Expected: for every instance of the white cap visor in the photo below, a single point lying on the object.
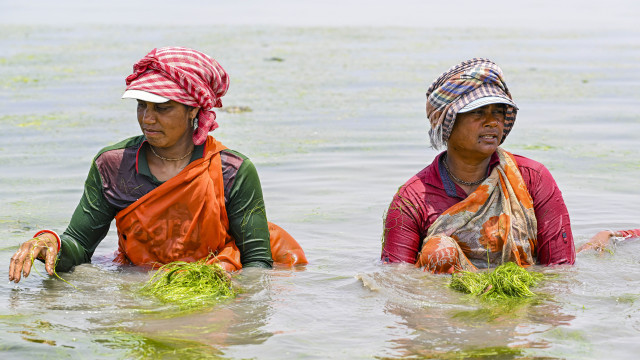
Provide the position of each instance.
(487, 100)
(144, 96)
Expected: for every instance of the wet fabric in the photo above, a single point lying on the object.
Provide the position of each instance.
(174, 223)
(443, 255)
(635, 233)
(186, 76)
(118, 177)
(495, 224)
(165, 225)
(428, 194)
(285, 250)
(460, 85)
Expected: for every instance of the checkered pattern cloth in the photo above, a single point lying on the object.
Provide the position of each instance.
(186, 76)
(460, 85)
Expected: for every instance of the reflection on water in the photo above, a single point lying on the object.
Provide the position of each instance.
(447, 324)
(336, 126)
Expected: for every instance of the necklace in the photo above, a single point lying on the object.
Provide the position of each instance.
(169, 159)
(446, 167)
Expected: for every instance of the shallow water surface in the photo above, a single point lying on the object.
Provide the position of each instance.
(337, 125)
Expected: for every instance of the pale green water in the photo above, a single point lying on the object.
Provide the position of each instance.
(335, 128)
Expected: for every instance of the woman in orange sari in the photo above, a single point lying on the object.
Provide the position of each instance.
(175, 192)
(476, 205)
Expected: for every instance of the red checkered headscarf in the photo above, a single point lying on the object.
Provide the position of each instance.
(186, 76)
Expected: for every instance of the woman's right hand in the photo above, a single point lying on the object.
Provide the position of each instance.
(43, 246)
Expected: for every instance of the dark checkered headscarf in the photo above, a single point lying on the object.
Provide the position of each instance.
(454, 89)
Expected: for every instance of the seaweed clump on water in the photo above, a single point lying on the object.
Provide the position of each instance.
(506, 281)
(190, 285)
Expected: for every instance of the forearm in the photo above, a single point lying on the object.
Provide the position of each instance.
(603, 238)
(251, 232)
(78, 248)
(555, 239)
(401, 238)
(71, 254)
(248, 219)
(88, 226)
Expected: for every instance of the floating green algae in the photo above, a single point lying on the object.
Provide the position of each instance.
(543, 147)
(492, 352)
(190, 285)
(504, 282)
(158, 346)
(236, 109)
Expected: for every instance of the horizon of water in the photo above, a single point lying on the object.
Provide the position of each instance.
(493, 14)
(335, 128)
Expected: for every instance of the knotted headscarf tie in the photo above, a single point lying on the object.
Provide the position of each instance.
(186, 76)
(454, 89)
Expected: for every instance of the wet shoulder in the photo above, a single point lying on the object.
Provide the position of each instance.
(535, 174)
(132, 142)
(232, 159)
(122, 184)
(121, 155)
(232, 163)
(419, 182)
(524, 163)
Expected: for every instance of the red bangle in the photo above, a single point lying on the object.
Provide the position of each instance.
(52, 233)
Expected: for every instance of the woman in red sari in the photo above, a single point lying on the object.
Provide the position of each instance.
(476, 205)
(175, 192)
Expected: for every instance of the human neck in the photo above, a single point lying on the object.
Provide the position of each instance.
(164, 163)
(163, 158)
(174, 153)
(467, 169)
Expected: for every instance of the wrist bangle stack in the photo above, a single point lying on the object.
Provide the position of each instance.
(52, 233)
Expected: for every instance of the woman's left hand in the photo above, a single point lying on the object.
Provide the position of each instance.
(599, 242)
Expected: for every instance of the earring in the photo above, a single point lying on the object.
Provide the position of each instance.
(195, 123)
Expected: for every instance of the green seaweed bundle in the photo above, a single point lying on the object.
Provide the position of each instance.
(506, 281)
(190, 285)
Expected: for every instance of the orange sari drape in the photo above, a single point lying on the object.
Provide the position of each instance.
(495, 224)
(185, 219)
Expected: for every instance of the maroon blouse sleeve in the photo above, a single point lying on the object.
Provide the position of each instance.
(630, 233)
(555, 240)
(402, 235)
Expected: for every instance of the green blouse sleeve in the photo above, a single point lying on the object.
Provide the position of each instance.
(248, 217)
(88, 226)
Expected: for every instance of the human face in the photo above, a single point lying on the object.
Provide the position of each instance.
(477, 133)
(166, 124)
